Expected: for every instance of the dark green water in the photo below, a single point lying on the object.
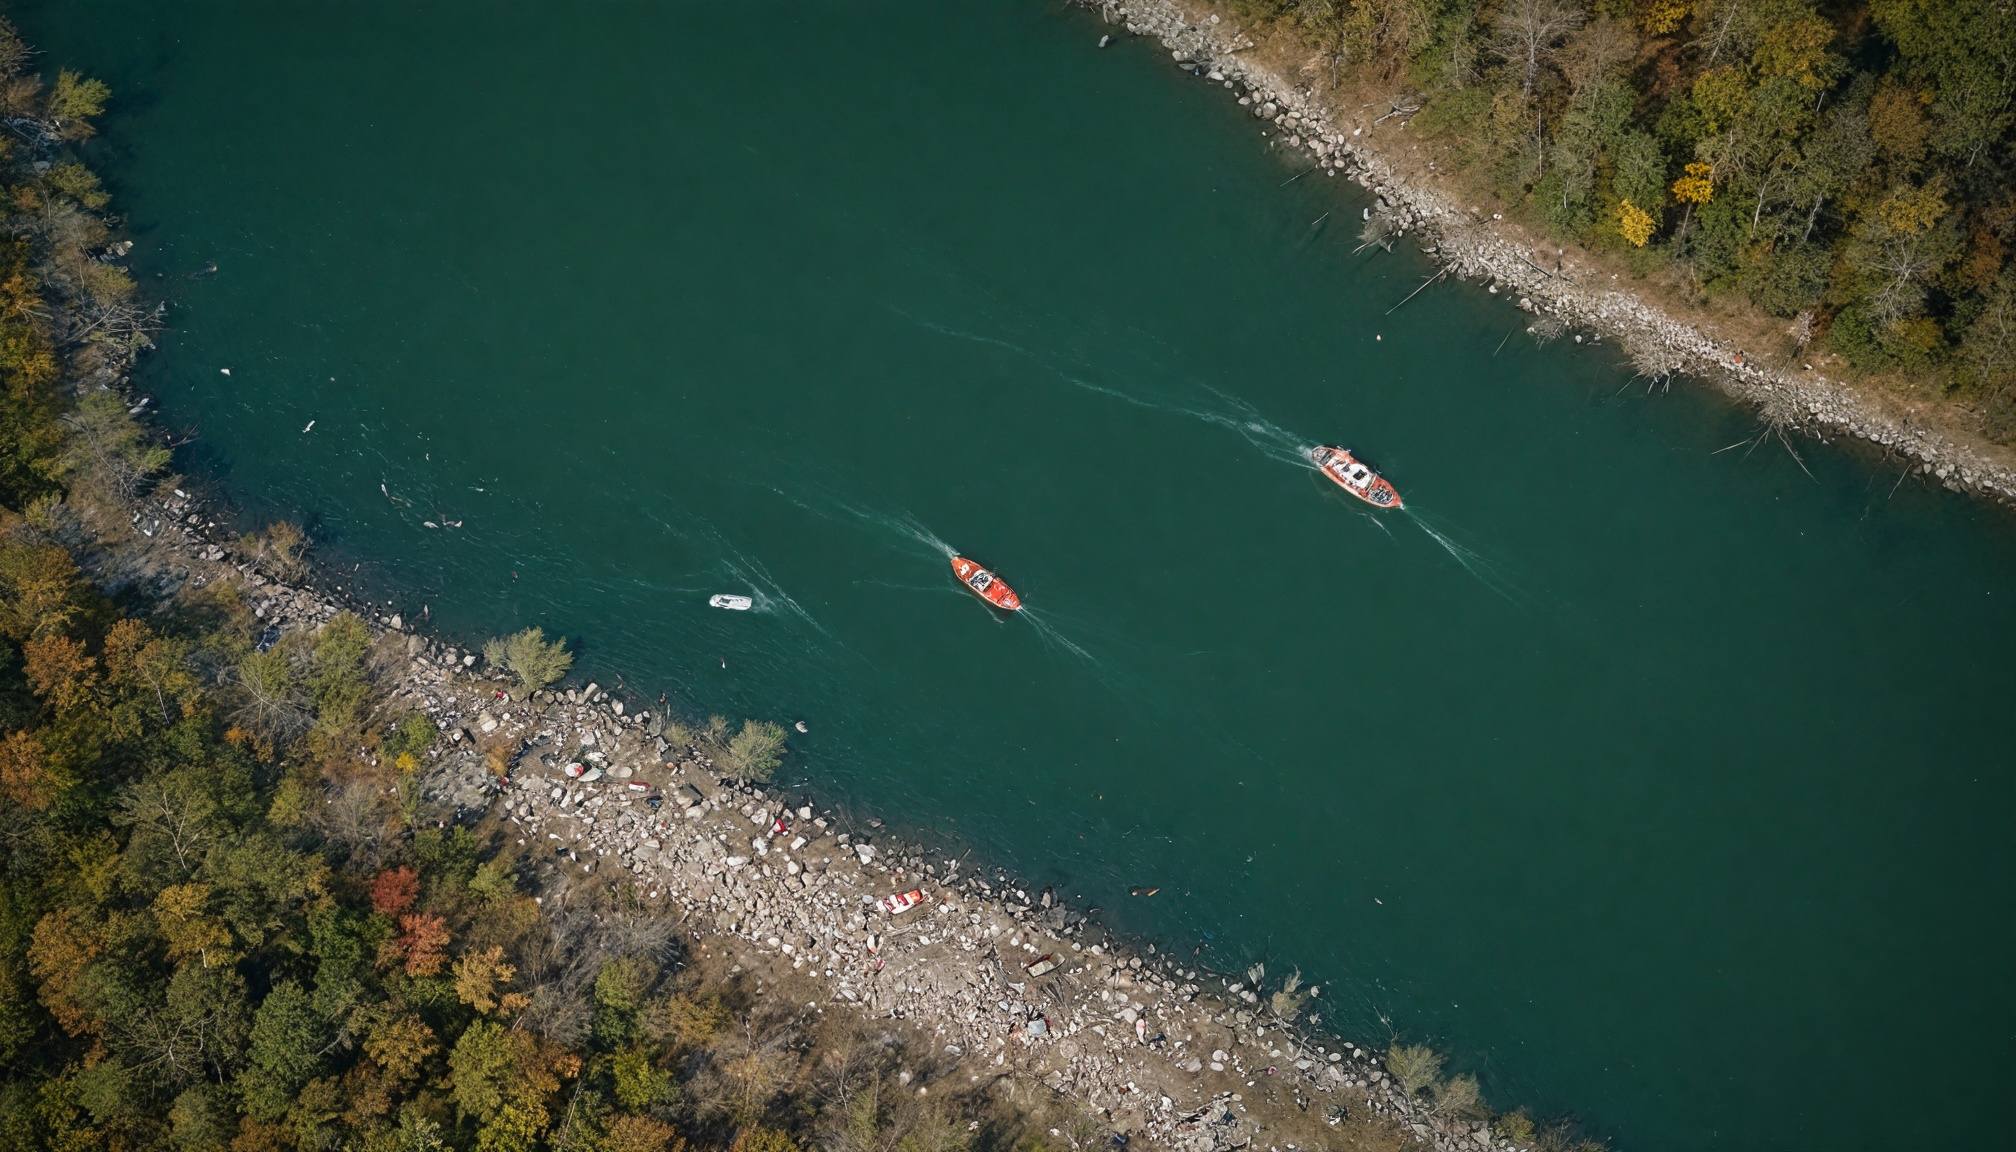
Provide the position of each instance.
(1684, 802)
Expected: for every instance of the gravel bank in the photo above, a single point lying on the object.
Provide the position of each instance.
(1011, 985)
(1467, 244)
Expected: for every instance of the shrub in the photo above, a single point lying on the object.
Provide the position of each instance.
(678, 735)
(1516, 1127)
(1415, 1066)
(280, 549)
(1459, 1098)
(1792, 280)
(760, 1138)
(684, 1020)
(529, 658)
(755, 751)
(1289, 1000)
(713, 735)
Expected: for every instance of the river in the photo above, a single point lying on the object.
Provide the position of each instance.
(1667, 785)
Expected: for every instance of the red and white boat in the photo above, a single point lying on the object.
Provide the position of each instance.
(902, 902)
(1354, 477)
(986, 585)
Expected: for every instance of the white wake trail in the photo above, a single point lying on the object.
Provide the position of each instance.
(1486, 572)
(1241, 417)
(1056, 639)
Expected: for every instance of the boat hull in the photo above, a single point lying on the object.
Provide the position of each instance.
(986, 585)
(1355, 476)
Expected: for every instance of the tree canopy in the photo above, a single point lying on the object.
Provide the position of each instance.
(1845, 166)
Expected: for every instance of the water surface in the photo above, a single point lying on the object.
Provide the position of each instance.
(1664, 785)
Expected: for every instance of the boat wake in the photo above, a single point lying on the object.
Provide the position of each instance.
(1487, 572)
(1054, 638)
(745, 573)
(902, 525)
(906, 527)
(770, 598)
(1273, 441)
(1224, 411)
(1221, 409)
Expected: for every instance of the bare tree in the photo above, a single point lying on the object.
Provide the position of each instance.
(1597, 50)
(557, 968)
(177, 810)
(200, 1028)
(1903, 264)
(108, 446)
(270, 696)
(14, 51)
(1526, 32)
(356, 816)
(848, 1068)
(746, 1068)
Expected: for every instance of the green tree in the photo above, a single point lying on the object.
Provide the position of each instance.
(69, 178)
(338, 681)
(271, 698)
(1459, 1098)
(516, 1127)
(1988, 357)
(287, 1040)
(202, 1119)
(1591, 130)
(640, 1083)
(107, 446)
(619, 992)
(479, 1068)
(412, 736)
(73, 102)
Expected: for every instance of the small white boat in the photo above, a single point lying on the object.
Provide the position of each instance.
(732, 603)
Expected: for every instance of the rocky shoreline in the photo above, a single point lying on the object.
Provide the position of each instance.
(1561, 294)
(1012, 987)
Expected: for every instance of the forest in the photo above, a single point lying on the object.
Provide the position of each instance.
(1844, 167)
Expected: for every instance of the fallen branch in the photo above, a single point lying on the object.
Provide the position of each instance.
(1417, 291)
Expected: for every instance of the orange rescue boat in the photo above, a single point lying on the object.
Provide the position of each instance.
(986, 585)
(1354, 477)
